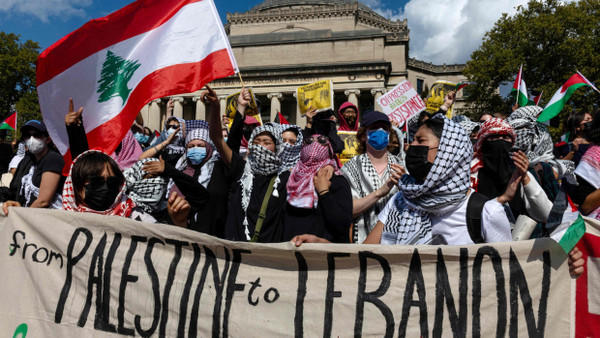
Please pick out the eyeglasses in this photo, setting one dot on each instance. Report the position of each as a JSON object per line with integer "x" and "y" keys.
{"x": 324, "y": 140}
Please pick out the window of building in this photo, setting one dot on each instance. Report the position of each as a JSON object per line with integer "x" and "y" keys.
{"x": 420, "y": 83}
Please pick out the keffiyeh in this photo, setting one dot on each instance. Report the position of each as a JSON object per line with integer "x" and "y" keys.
{"x": 301, "y": 187}
{"x": 442, "y": 191}
{"x": 207, "y": 166}
{"x": 261, "y": 161}
{"x": 468, "y": 125}
{"x": 147, "y": 193}
{"x": 535, "y": 138}
{"x": 493, "y": 126}
{"x": 122, "y": 206}
{"x": 290, "y": 154}
{"x": 176, "y": 147}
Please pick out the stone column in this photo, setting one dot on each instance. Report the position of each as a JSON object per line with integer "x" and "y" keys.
{"x": 275, "y": 104}
{"x": 155, "y": 116}
{"x": 377, "y": 93}
{"x": 223, "y": 101}
{"x": 352, "y": 95}
{"x": 200, "y": 108}
{"x": 300, "y": 120}
{"x": 178, "y": 109}
{"x": 146, "y": 115}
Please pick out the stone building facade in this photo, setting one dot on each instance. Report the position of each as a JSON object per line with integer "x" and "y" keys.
{"x": 280, "y": 45}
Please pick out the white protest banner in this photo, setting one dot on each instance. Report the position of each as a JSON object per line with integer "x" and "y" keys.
{"x": 69, "y": 274}
{"x": 401, "y": 103}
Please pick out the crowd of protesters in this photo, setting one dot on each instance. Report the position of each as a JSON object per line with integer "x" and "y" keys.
{"x": 455, "y": 181}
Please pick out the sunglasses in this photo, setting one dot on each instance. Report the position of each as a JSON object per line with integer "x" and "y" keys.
{"x": 36, "y": 134}
{"x": 321, "y": 139}
{"x": 172, "y": 126}
{"x": 99, "y": 180}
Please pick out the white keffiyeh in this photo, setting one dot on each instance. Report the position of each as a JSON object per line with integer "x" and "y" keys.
{"x": 261, "y": 161}
{"x": 290, "y": 154}
{"x": 147, "y": 193}
{"x": 443, "y": 190}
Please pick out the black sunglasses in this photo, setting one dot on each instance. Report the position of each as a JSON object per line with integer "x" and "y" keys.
{"x": 99, "y": 180}
{"x": 172, "y": 126}
{"x": 321, "y": 139}
{"x": 36, "y": 134}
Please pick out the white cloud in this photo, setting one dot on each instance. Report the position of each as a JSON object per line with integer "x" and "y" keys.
{"x": 443, "y": 31}
{"x": 44, "y": 10}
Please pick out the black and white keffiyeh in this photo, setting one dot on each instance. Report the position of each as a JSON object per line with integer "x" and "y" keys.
{"x": 442, "y": 191}
{"x": 176, "y": 147}
{"x": 466, "y": 123}
{"x": 195, "y": 124}
{"x": 261, "y": 161}
{"x": 208, "y": 164}
{"x": 289, "y": 154}
{"x": 147, "y": 193}
{"x": 535, "y": 138}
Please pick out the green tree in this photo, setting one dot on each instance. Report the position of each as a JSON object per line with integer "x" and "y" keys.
{"x": 17, "y": 72}
{"x": 552, "y": 40}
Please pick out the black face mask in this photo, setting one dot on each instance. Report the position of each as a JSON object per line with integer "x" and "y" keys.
{"x": 100, "y": 194}
{"x": 496, "y": 159}
{"x": 416, "y": 162}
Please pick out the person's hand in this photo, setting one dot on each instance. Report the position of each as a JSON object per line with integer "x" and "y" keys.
{"x": 449, "y": 99}
{"x": 395, "y": 124}
{"x": 209, "y": 95}
{"x": 515, "y": 106}
{"x": 576, "y": 263}
{"x": 298, "y": 240}
{"x": 511, "y": 189}
{"x": 322, "y": 179}
{"x": 578, "y": 141}
{"x": 73, "y": 118}
{"x": 310, "y": 114}
{"x": 244, "y": 100}
{"x": 154, "y": 167}
{"x": 522, "y": 165}
{"x": 178, "y": 209}
{"x": 9, "y": 204}
{"x": 395, "y": 175}
{"x": 170, "y": 107}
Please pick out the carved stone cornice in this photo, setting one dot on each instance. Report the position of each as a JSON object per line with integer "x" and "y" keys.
{"x": 378, "y": 90}
{"x": 435, "y": 69}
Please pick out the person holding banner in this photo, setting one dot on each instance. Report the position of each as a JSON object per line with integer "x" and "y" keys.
{"x": 373, "y": 175}
{"x": 319, "y": 201}
{"x": 257, "y": 201}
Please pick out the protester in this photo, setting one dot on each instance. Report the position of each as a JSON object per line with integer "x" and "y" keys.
{"x": 373, "y": 175}
{"x": 349, "y": 117}
{"x": 38, "y": 181}
{"x": 170, "y": 146}
{"x": 147, "y": 191}
{"x": 142, "y": 135}
{"x": 578, "y": 141}
{"x": 323, "y": 123}
{"x": 291, "y": 139}
{"x": 472, "y": 128}
{"x": 484, "y": 117}
{"x": 494, "y": 166}
{"x": 14, "y": 162}
{"x": 319, "y": 201}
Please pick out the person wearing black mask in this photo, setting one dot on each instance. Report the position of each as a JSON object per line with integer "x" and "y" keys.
{"x": 493, "y": 166}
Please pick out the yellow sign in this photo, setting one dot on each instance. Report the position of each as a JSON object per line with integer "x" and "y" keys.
{"x": 350, "y": 145}
{"x": 437, "y": 93}
{"x": 317, "y": 95}
{"x": 232, "y": 101}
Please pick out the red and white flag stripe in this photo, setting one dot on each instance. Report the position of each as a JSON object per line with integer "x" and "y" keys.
{"x": 177, "y": 46}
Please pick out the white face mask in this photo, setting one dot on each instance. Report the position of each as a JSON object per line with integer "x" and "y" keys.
{"x": 35, "y": 145}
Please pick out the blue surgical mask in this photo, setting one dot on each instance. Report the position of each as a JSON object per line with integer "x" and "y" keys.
{"x": 196, "y": 155}
{"x": 169, "y": 132}
{"x": 378, "y": 139}
{"x": 141, "y": 138}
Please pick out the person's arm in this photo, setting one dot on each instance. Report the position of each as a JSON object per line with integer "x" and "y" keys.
{"x": 48, "y": 187}
{"x": 178, "y": 209}
{"x": 336, "y": 204}
{"x": 78, "y": 143}
{"x": 196, "y": 194}
{"x": 374, "y": 236}
{"x": 155, "y": 150}
{"x": 448, "y": 102}
{"x": 495, "y": 226}
{"x": 236, "y": 132}
{"x": 360, "y": 205}
{"x": 537, "y": 203}
{"x": 214, "y": 125}
{"x": 591, "y": 202}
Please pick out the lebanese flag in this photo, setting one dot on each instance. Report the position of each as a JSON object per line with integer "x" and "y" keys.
{"x": 560, "y": 98}
{"x": 10, "y": 122}
{"x": 520, "y": 90}
{"x": 113, "y": 66}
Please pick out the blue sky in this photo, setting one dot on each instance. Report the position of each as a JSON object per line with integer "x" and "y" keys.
{"x": 442, "y": 31}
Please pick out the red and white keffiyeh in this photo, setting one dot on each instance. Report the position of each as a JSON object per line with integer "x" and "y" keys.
{"x": 493, "y": 126}
{"x": 123, "y": 205}
{"x": 300, "y": 185}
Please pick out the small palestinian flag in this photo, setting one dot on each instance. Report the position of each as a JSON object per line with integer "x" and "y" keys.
{"x": 462, "y": 85}
{"x": 536, "y": 100}
{"x": 562, "y": 95}
{"x": 280, "y": 119}
{"x": 520, "y": 90}
{"x": 10, "y": 123}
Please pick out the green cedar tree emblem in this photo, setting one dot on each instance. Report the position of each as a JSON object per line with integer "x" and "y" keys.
{"x": 116, "y": 72}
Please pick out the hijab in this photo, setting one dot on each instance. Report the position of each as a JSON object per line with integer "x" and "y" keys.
{"x": 344, "y": 126}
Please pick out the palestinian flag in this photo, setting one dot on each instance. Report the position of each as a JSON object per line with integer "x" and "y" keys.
{"x": 536, "y": 100}
{"x": 113, "y": 66}
{"x": 281, "y": 119}
{"x": 562, "y": 95}
{"x": 461, "y": 85}
{"x": 519, "y": 89}
{"x": 10, "y": 122}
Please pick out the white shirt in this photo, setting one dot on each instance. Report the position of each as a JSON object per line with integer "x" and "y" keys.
{"x": 453, "y": 226}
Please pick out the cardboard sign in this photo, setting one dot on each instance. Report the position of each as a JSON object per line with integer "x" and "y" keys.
{"x": 232, "y": 101}
{"x": 437, "y": 93}
{"x": 401, "y": 103}
{"x": 350, "y": 145}
{"x": 68, "y": 274}
{"x": 317, "y": 95}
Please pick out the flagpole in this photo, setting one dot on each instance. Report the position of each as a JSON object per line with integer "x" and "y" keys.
{"x": 241, "y": 80}
{"x": 519, "y": 85}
